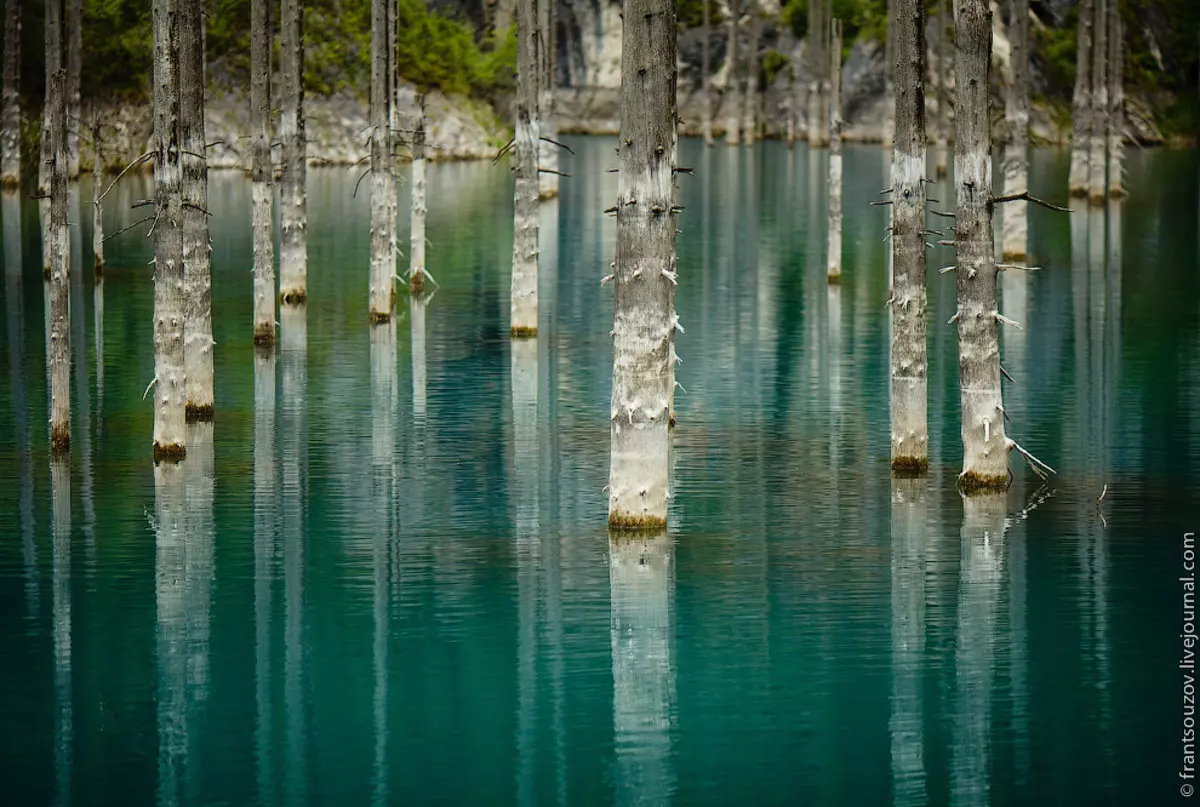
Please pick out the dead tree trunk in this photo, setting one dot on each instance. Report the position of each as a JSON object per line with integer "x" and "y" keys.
{"x": 733, "y": 73}
{"x": 197, "y": 327}
{"x": 55, "y": 25}
{"x": 705, "y": 67}
{"x": 910, "y": 431}
{"x": 833, "y": 263}
{"x": 10, "y": 114}
{"x": 941, "y": 83}
{"x": 1016, "y": 156}
{"x": 99, "y": 169}
{"x": 262, "y": 173}
{"x": 1097, "y": 157}
{"x": 293, "y": 179}
{"x": 59, "y": 348}
{"x": 751, "y": 70}
{"x": 170, "y": 393}
{"x": 416, "y": 250}
{"x": 524, "y": 294}
{"x": 382, "y": 281}
{"x": 888, "y": 129}
{"x": 644, "y": 320}
{"x": 74, "y": 77}
{"x": 1081, "y": 102}
{"x": 1116, "y": 102}
{"x": 547, "y": 151}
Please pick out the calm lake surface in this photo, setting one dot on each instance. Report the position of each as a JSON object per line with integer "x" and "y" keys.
{"x": 383, "y": 574}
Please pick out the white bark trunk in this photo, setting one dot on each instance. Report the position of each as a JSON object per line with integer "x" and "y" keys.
{"x": 10, "y": 110}
{"x": 262, "y": 172}
{"x": 383, "y": 268}
{"x": 733, "y": 78}
{"x": 293, "y": 202}
{"x": 416, "y": 249}
{"x": 1116, "y": 101}
{"x": 74, "y": 57}
{"x": 58, "y": 351}
{"x": 524, "y": 293}
{"x": 1097, "y": 157}
{"x": 1081, "y": 102}
{"x": 547, "y": 152}
{"x": 1016, "y": 152}
{"x": 833, "y": 262}
{"x": 644, "y": 320}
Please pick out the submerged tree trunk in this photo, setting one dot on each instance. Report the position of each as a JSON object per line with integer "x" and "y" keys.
{"x": 733, "y": 77}
{"x": 382, "y": 282}
{"x": 261, "y": 172}
{"x": 1116, "y": 102}
{"x": 644, "y": 320}
{"x": 910, "y": 431}
{"x": 1016, "y": 151}
{"x": 985, "y": 453}
{"x": 547, "y": 151}
{"x": 941, "y": 88}
{"x": 59, "y": 348}
{"x": 1097, "y": 157}
{"x": 416, "y": 250}
{"x": 833, "y": 263}
{"x": 293, "y": 178}
{"x": 524, "y": 294}
{"x": 197, "y": 327}
{"x": 705, "y": 67}
{"x": 10, "y": 111}
{"x": 750, "y": 119}
{"x": 888, "y": 127}
{"x": 170, "y": 393}
{"x": 74, "y": 77}
{"x": 1081, "y": 102}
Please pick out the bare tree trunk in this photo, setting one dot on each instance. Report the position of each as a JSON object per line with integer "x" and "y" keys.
{"x": 547, "y": 151}
{"x": 10, "y": 114}
{"x": 59, "y": 348}
{"x": 393, "y": 142}
{"x": 733, "y": 77}
{"x": 1097, "y": 158}
{"x": 416, "y": 250}
{"x": 293, "y": 179}
{"x": 1081, "y": 103}
{"x": 261, "y": 172}
{"x": 941, "y": 83}
{"x": 1016, "y": 157}
{"x": 170, "y": 393}
{"x": 751, "y": 68}
{"x": 888, "y": 130}
{"x": 1116, "y": 101}
{"x": 382, "y": 282}
{"x": 705, "y": 84}
{"x": 197, "y": 327}
{"x": 55, "y": 25}
{"x": 74, "y": 77}
{"x": 909, "y": 363}
{"x": 644, "y": 320}
{"x": 524, "y": 294}
{"x": 99, "y": 170}
{"x": 833, "y": 263}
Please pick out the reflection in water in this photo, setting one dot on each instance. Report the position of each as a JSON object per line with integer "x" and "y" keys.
{"x": 98, "y": 338}
{"x": 642, "y": 580}
{"x": 525, "y": 482}
{"x": 909, "y": 534}
{"x": 64, "y": 721}
{"x": 417, "y": 304}
{"x": 170, "y": 533}
{"x": 265, "y": 512}
{"x": 82, "y": 395}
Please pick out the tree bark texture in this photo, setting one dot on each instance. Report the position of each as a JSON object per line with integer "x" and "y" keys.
{"x": 909, "y": 362}
{"x": 523, "y": 299}
{"x": 644, "y": 320}
{"x": 985, "y": 451}
{"x": 941, "y": 84}
{"x": 833, "y": 262}
{"x": 99, "y": 171}
{"x": 197, "y": 327}
{"x": 888, "y": 132}
{"x": 59, "y": 347}
{"x": 170, "y": 392}
{"x": 547, "y": 151}
{"x": 750, "y": 71}
{"x": 416, "y": 250}
{"x": 1081, "y": 102}
{"x": 1015, "y": 234}
{"x": 382, "y": 282}
{"x": 293, "y": 178}
{"x": 74, "y": 79}
{"x": 10, "y": 109}
{"x": 261, "y": 172}
{"x": 1098, "y": 145}
{"x": 55, "y": 25}
{"x": 705, "y": 67}
{"x": 733, "y": 78}
{"x": 1116, "y": 102}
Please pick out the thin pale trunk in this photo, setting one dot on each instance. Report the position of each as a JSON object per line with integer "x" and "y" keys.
{"x": 170, "y": 393}
{"x": 393, "y": 143}
{"x": 985, "y": 450}
{"x": 262, "y": 172}
{"x": 1116, "y": 102}
{"x": 293, "y": 178}
{"x": 59, "y": 347}
{"x": 644, "y": 320}
{"x": 197, "y": 328}
{"x": 888, "y": 126}
{"x": 55, "y": 24}
{"x": 1098, "y": 158}
{"x": 74, "y": 58}
{"x": 547, "y": 151}
{"x": 99, "y": 170}
{"x": 10, "y": 110}
{"x": 751, "y": 68}
{"x": 909, "y": 363}
{"x": 524, "y": 292}
{"x": 733, "y": 106}
{"x": 705, "y": 67}
{"x": 382, "y": 281}
{"x": 941, "y": 82}
{"x": 1081, "y": 103}
{"x": 416, "y": 250}
{"x": 833, "y": 262}
{"x": 1016, "y": 157}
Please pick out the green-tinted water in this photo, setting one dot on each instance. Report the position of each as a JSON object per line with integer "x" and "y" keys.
{"x": 386, "y": 579}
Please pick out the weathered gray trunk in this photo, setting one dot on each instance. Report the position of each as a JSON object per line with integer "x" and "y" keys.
{"x": 59, "y": 348}
{"x": 547, "y": 151}
{"x": 261, "y": 172}
{"x": 99, "y": 170}
{"x": 416, "y": 250}
{"x": 941, "y": 84}
{"x": 705, "y": 82}
{"x": 383, "y": 269}
{"x": 170, "y": 393}
{"x": 910, "y": 431}
{"x": 10, "y": 110}
{"x": 985, "y": 452}
{"x": 1116, "y": 102}
{"x": 644, "y": 320}
{"x": 197, "y": 327}
{"x": 833, "y": 263}
{"x": 293, "y": 178}
{"x": 1016, "y": 151}
{"x": 55, "y": 59}
{"x": 74, "y": 58}
{"x": 1081, "y": 102}
{"x": 523, "y": 299}
{"x": 733, "y": 78}
{"x": 1097, "y": 156}
{"x": 750, "y": 118}
{"x": 888, "y": 129}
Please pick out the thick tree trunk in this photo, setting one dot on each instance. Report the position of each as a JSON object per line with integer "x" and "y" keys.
{"x": 985, "y": 451}
{"x": 10, "y": 111}
{"x": 910, "y": 431}
{"x": 1081, "y": 102}
{"x": 733, "y": 78}
{"x": 833, "y": 262}
{"x": 197, "y": 327}
{"x": 524, "y": 294}
{"x": 644, "y": 320}
{"x": 293, "y": 179}
{"x": 547, "y": 151}
{"x": 170, "y": 393}
{"x": 59, "y": 348}
{"x": 1116, "y": 102}
{"x": 941, "y": 73}
{"x": 1097, "y": 157}
{"x": 262, "y": 172}
{"x": 74, "y": 78}
{"x": 383, "y": 269}
{"x": 888, "y": 127}
{"x": 750, "y": 118}
{"x": 1016, "y": 151}
{"x": 416, "y": 249}
{"x": 705, "y": 83}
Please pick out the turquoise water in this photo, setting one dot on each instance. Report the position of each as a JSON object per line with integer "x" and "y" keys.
{"x": 383, "y": 574}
